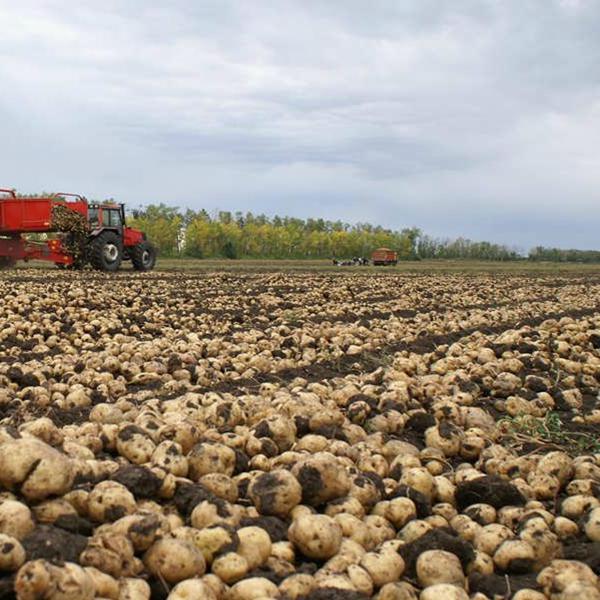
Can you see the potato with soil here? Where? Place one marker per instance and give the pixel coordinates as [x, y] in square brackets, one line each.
[192, 589]
[110, 501]
[112, 554]
[134, 444]
[316, 536]
[443, 591]
[174, 560]
[12, 554]
[275, 493]
[438, 566]
[208, 458]
[41, 580]
[383, 567]
[254, 545]
[35, 468]
[562, 573]
[322, 477]
[254, 588]
[15, 519]
[230, 567]
[312, 473]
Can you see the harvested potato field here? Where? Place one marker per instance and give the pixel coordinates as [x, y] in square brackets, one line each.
[245, 436]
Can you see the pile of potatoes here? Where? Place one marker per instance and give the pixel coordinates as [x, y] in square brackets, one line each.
[151, 447]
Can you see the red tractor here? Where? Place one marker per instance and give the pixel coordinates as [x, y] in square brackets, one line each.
[76, 232]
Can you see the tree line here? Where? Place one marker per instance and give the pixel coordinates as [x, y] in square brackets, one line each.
[224, 234]
[539, 253]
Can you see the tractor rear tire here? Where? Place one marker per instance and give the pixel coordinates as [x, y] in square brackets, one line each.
[143, 256]
[106, 252]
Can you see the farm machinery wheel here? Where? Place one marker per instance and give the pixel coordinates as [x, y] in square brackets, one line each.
[143, 256]
[106, 252]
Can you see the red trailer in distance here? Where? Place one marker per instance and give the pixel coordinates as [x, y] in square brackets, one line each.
[384, 256]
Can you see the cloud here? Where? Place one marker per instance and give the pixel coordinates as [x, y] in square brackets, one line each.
[475, 117]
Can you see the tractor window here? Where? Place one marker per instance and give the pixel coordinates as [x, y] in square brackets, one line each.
[115, 218]
[93, 216]
[111, 217]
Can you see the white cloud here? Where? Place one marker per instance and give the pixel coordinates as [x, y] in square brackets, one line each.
[471, 117]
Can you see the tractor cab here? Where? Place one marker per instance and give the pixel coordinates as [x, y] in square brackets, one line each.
[115, 241]
[111, 216]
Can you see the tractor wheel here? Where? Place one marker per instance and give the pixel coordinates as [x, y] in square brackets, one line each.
[7, 262]
[106, 252]
[143, 256]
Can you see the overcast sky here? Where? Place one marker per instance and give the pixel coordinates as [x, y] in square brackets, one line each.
[478, 118]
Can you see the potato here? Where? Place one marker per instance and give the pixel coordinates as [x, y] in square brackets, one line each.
[412, 531]
[360, 579]
[592, 525]
[266, 431]
[275, 493]
[110, 501]
[565, 528]
[280, 429]
[133, 589]
[192, 589]
[254, 545]
[397, 591]
[209, 513]
[296, 586]
[134, 444]
[214, 584]
[169, 456]
[322, 478]
[283, 551]
[112, 554]
[37, 469]
[439, 566]
[41, 579]
[580, 589]
[514, 556]
[489, 538]
[254, 588]
[384, 567]
[221, 485]
[210, 458]
[529, 594]
[49, 511]
[174, 560]
[354, 529]
[400, 511]
[317, 536]
[209, 540]
[104, 585]
[443, 591]
[12, 554]
[419, 479]
[15, 519]
[230, 567]
[562, 573]
[556, 464]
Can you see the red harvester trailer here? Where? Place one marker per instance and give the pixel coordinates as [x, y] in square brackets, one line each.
[384, 256]
[81, 232]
